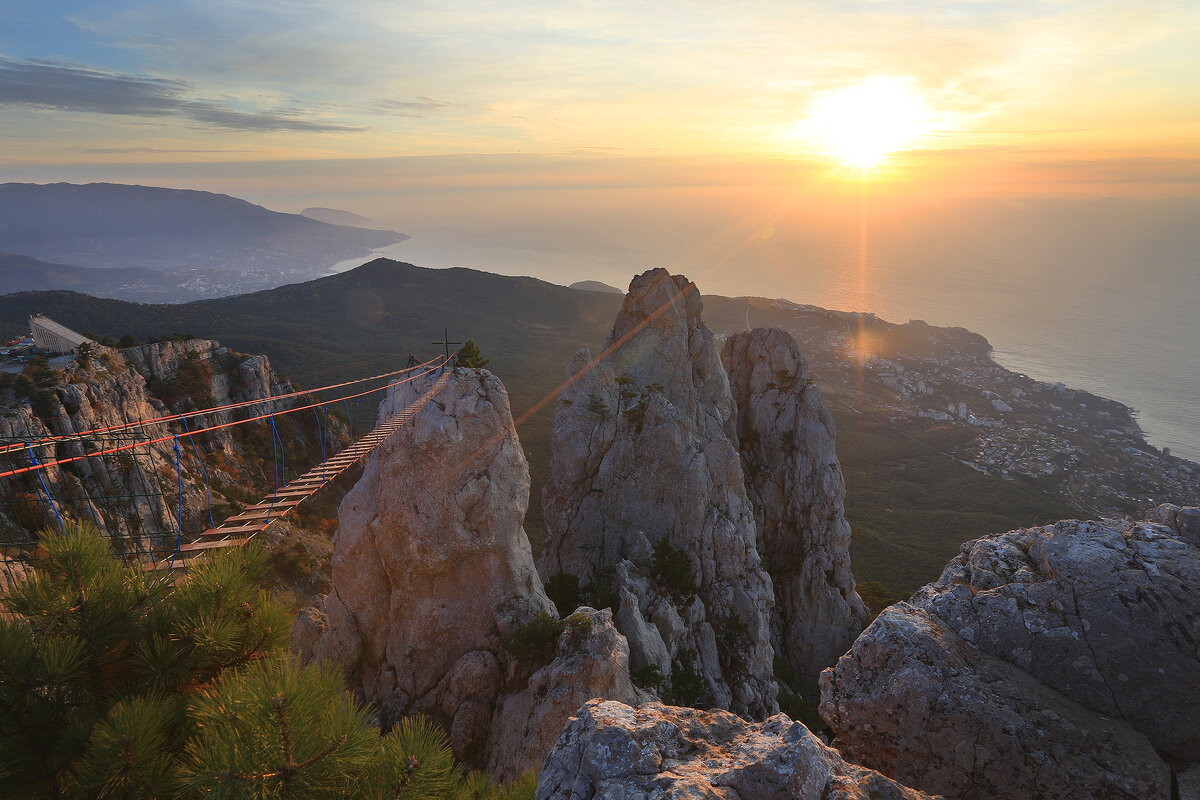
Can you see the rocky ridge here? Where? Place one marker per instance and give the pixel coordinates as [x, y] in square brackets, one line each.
[786, 438]
[611, 751]
[647, 502]
[436, 607]
[1048, 662]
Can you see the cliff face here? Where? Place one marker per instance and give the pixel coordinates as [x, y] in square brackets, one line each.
[133, 495]
[1049, 662]
[786, 438]
[433, 582]
[647, 505]
[609, 750]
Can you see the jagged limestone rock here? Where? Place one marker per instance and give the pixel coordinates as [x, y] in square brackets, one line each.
[786, 437]
[610, 751]
[133, 494]
[432, 571]
[1076, 640]
[1184, 521]
[646, 492]
[591, 659]
[1188, 782]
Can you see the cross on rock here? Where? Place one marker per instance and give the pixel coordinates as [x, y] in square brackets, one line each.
[446, 341]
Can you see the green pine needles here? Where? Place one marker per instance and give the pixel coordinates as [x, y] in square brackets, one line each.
[115, 685]
[469, 356]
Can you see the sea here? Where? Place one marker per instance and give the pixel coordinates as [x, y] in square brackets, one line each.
[1102, 294]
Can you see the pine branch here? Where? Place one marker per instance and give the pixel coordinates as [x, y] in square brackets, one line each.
[413, 765]
[245, 657]
[286, 772]
[281, 712]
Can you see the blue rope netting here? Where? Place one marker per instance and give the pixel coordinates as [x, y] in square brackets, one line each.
[34, 462]
[277, 448]
[320, 429]
[179, 482]
[203, 468]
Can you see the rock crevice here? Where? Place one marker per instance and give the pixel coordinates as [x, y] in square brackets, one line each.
[795, 483]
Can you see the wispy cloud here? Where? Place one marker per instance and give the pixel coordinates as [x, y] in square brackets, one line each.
[126, 150]
[420, 107]
[75, 87]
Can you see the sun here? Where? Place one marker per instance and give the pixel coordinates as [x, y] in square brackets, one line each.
[864, 123]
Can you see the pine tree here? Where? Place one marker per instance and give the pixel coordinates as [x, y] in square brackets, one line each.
[113, 684]
[469, 356]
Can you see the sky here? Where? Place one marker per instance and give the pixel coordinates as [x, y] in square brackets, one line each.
[1037, 97]
[1028, 169]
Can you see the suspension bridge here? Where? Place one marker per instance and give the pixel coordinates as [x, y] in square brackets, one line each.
[27, 461]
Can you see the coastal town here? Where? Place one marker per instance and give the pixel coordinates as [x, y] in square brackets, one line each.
[1084, 449]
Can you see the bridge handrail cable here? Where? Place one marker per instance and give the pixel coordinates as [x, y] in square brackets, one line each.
[442, 361]
[199, 412]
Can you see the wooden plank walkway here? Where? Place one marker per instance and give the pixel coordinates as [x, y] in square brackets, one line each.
[240, 528]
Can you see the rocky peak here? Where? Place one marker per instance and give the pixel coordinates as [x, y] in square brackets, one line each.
[646, 504]
[433, 581]
[659, 338]
[795, 483]
[1065, 655]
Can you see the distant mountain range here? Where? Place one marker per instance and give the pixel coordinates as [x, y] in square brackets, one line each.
[210, 244]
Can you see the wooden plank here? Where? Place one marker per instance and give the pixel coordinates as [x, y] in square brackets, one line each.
[192, 547]
[255, 515]
[154, 566]
[231, 530]
[268, 505]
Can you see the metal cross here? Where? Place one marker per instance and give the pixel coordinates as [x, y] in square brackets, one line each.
[446, 341]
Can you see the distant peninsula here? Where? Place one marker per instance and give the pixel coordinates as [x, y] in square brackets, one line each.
[226, 245]
[335, 216]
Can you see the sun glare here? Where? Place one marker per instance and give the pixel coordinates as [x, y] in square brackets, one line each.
[864, 123]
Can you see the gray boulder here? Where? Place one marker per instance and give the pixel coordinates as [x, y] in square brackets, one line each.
[610, 751]
[914, 701]
[131, 495]
[1094, 622]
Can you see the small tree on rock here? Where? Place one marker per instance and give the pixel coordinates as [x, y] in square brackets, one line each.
[469, 356]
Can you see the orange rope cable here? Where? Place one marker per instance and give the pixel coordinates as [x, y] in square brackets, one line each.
[189, 414]
[171, 437]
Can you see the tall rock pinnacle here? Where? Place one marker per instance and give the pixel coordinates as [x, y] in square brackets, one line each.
[646, 503]
[786, 437]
